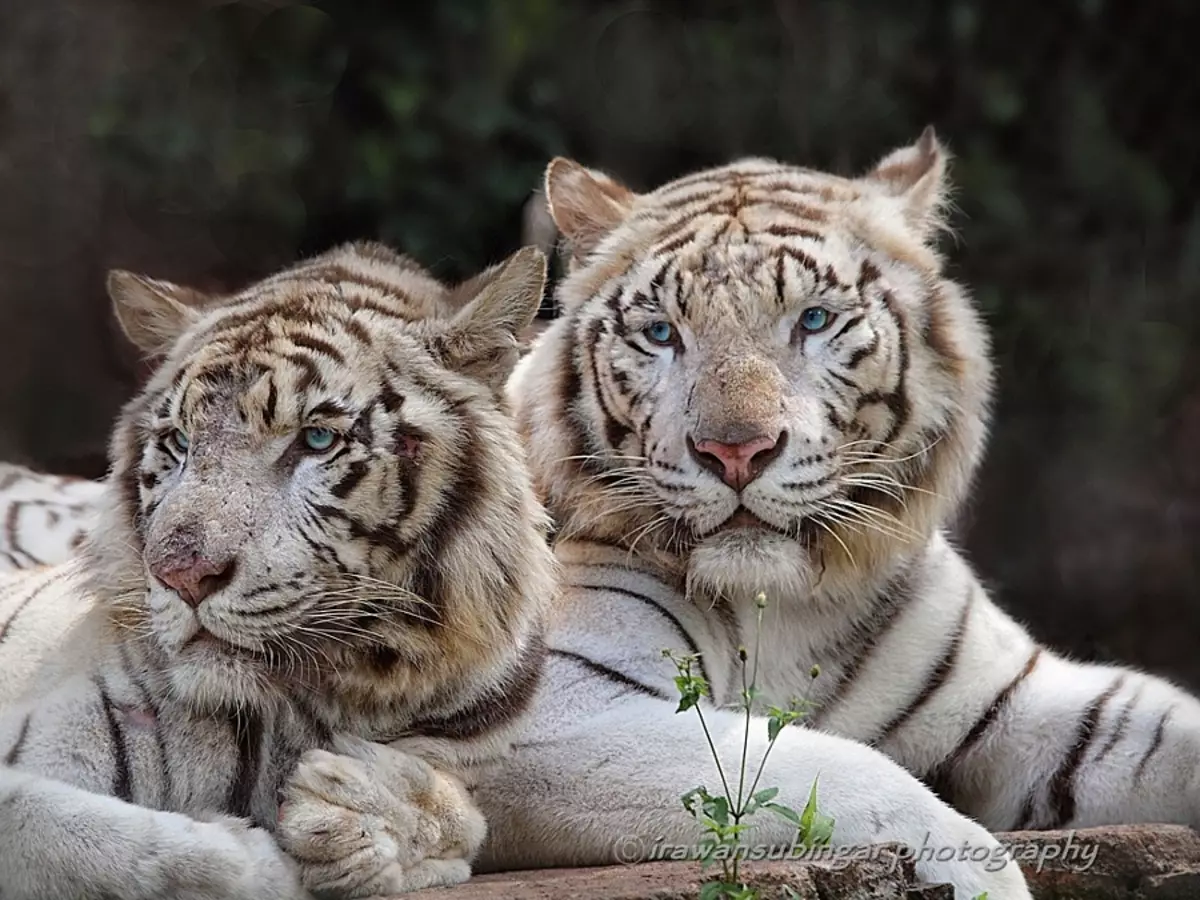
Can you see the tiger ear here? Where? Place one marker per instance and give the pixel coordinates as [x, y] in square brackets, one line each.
[916, 176]
[585, 205]
[458, 296]
[153, 313]
[482, 338]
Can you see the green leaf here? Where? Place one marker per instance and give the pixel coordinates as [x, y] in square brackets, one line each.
[822, 832]
[774, 726]
[764, 795]
[695, 799]
[785, 812]
[816, 829]
[713, 890]
[717, 808]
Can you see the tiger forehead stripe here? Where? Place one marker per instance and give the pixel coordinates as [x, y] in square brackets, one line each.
[751, 187]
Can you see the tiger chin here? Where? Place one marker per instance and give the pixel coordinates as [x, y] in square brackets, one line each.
[311, 609]
[743, 562]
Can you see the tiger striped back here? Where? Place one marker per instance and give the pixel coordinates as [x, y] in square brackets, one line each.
[43, 518]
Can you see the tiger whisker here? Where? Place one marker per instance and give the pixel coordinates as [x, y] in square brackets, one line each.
[886, 525]
[833, 534]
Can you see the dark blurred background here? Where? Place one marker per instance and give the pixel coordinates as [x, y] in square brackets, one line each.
[211, 143]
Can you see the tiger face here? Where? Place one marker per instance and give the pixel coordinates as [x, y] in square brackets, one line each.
[761, 370]
[318, 480]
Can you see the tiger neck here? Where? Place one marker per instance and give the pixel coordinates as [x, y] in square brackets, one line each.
[835, 592]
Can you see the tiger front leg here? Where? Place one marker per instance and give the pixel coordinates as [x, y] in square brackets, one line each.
[373, 821]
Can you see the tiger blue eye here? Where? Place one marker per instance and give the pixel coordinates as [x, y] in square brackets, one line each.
[660, 332]
[181, 440]
[814, 318]
[318, 439]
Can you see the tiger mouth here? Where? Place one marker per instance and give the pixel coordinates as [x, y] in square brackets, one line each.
[743, 518]
[204, 641]
[203, 638]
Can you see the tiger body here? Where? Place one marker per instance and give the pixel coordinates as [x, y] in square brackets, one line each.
[315, 535]
[43, 517]
[841, 525]
[761, 381]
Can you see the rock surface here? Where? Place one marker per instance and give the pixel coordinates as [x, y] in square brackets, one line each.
[1125, 862]
[885, 877]
[1133, 862]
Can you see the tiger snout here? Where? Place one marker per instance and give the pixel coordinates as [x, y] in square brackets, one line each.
[194, 575]
[192, 562]
[737, 464]
[739, 429]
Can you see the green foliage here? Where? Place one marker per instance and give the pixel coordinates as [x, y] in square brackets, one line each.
[723, 817]
[426, 125]
[429, 125]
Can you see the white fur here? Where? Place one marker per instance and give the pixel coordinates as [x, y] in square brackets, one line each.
[364, 821]
[42, 517]
[602, 769]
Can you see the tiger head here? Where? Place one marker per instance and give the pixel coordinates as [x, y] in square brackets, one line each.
[319, 486]
[760, 374]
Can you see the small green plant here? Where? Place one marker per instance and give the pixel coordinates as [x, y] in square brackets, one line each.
[723, 816]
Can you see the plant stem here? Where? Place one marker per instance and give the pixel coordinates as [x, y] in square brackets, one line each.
[713, 748]
[757, 640]
[762, 766]
[754, 683]
[737, 809]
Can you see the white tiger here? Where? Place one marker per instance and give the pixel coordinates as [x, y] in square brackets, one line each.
[762, 381]
[317, 532]
[600, 771]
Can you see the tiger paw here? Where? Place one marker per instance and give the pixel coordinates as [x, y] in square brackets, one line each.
[376, 823]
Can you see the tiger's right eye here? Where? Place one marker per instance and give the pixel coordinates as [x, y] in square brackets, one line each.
[180, 441]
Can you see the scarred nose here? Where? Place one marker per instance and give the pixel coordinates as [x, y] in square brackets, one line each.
[194, 577]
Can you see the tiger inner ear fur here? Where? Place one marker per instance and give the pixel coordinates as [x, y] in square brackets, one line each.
[153, 313]
[585, 205]
[481, 340]
[916, 175]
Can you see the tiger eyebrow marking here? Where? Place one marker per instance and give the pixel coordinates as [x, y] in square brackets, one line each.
[331, 409]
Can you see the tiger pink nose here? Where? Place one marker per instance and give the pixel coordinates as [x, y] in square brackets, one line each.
[194, 578]
[737, 464]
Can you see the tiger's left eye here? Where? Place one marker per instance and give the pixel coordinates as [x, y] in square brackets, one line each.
[659, 332]
[319, 439]
[815, 318]
[180, 441]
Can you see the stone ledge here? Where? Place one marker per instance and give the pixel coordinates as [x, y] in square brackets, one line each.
[1128, 862]
[886, 877]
